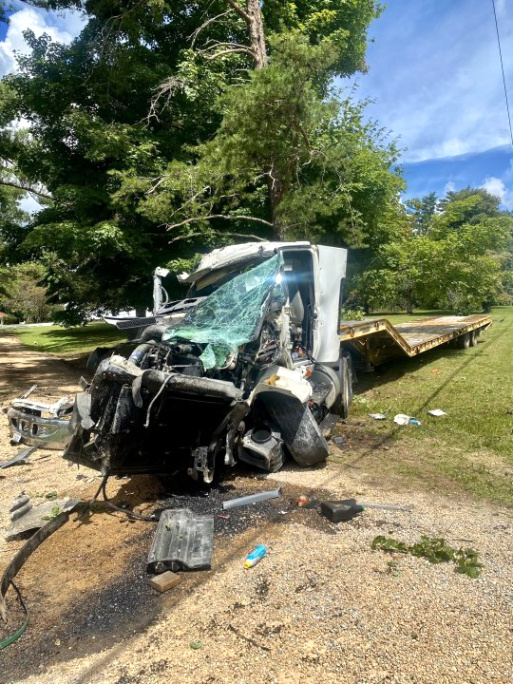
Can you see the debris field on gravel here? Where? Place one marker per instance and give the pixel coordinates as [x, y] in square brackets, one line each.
[321, 606]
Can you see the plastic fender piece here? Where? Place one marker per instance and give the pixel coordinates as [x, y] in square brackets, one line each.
[183, 541]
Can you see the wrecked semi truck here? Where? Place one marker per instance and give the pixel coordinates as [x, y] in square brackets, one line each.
[245, 368]
[250, 366]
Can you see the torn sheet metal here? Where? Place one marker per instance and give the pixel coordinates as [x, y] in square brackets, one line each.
[39, 424]
[183, 541]
[26, 517]
[21, 458]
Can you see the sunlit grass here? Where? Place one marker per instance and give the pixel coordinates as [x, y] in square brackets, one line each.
[68, 341]
[470, 448]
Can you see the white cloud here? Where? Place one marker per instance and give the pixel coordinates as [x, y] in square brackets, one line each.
[495, 186]
[435, 73]
[450, 186]
[62, 27]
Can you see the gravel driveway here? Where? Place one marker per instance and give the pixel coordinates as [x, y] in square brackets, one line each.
[321, 607]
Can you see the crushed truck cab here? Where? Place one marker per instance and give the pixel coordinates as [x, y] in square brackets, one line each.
[245, 368]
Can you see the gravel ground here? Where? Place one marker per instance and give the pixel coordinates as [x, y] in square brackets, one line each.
[321, 607]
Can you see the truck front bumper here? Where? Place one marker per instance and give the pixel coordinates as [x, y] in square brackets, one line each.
[47, 426]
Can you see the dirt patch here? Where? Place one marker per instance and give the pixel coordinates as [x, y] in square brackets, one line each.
[322, 606]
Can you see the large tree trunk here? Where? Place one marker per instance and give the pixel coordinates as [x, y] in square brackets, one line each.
[276, 191]
[256, 34]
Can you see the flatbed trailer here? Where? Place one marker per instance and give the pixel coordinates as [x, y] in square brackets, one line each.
[378, 341]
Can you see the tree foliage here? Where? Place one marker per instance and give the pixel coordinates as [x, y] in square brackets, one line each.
[22, 294]
[171, 126]
[460, 258]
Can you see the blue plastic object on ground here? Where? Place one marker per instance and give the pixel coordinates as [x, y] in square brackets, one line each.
[255, 556]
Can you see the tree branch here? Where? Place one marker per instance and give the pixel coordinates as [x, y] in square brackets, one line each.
[202, 234]
[223, 53]
[196, 33]
[167, 87]
[237, 8]
[217, 44]
[193, 219]
[32, 191]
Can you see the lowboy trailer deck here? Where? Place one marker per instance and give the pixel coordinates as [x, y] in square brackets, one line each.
[378, 341]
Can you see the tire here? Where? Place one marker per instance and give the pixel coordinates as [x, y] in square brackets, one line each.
[298, 428]
[463, 342]
[343, 401]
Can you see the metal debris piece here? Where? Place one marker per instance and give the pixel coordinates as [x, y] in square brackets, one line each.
[183, 541]
[378, 416]
[252, 498]
[28, 392]
[22, 458]
[39, 424]
[26, 517]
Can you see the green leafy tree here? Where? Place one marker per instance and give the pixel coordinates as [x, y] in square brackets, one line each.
[23, 295]
[170, 125]
[461, 262]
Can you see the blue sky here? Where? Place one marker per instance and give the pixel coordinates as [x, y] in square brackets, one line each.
[434, 75]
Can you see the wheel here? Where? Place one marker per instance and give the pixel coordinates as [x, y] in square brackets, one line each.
[463, 342]
[298, 428]
[343, 401]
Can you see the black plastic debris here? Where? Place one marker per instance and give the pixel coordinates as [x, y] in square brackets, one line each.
[340, 511]
[328, 423]
[183, 541]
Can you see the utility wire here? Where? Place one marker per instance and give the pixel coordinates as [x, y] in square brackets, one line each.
[502, 68]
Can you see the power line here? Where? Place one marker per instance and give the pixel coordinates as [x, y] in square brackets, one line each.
[502, 69]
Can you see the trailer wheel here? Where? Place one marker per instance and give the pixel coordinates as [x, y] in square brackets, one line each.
[463, 342]
[343, 401]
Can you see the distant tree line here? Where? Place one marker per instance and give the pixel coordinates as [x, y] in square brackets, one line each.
[454, 253]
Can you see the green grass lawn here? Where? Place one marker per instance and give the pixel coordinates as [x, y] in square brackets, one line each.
[68, 341]
[471, 448]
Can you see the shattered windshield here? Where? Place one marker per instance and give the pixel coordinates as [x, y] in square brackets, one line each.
[227, 318]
